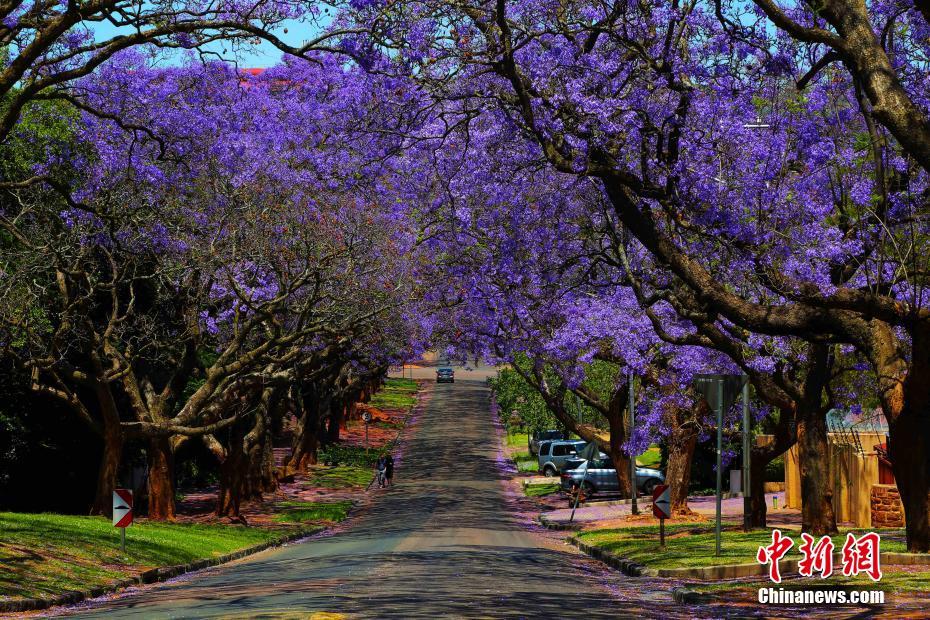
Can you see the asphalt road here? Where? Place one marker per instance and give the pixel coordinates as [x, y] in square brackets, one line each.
[443, 542]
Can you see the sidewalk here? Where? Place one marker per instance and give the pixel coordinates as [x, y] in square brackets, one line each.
[595, 515]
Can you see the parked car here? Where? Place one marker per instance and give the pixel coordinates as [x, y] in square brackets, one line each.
[537, 437]
[554, 454]
[445, 375]
[602, 477]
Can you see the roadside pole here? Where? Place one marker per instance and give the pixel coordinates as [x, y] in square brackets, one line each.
[634, 507]
[366, 418]
[584, 477]
[122, 513]
[719, 464]
[747, 503]
[661, 509]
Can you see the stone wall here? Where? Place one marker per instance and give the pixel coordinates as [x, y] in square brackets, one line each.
[887, 510]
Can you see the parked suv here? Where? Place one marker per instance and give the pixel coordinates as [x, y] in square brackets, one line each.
[554, 454]
[445, 375]
[602, 477]
[537, 437]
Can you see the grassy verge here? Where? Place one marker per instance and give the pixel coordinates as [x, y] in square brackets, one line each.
[517, 440]
[44, 555]
[650, 458]
[539, 490]
[525, 463]
[396, 394]
[313, 512]
[688, 546]
[338, 476]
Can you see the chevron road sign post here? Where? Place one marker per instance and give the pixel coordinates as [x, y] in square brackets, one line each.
[122, 513]
[661, 509]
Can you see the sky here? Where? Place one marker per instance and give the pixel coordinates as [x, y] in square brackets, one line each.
[262, 55]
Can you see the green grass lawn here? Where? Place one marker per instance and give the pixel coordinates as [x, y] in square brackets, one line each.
[517, 440]
[339, 476]
[539, 490]
[46, 554]
[319, 512]
[650, 458]
[525, 463]
[395, 394]
[695, 546]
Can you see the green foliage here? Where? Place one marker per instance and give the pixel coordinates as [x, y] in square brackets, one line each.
[519, 405]
[775, 470]
[302, 512]
[47, 554]
[650, 458]
[357, 456]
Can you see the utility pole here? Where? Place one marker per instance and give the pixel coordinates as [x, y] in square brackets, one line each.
[719, 463]
[634, 507]
[747, 502]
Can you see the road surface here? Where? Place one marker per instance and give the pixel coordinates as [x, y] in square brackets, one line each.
[444, 542]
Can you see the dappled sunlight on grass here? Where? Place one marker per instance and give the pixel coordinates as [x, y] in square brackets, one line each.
[303, 512]
[47, 554]
[395, 394]
[338, 476]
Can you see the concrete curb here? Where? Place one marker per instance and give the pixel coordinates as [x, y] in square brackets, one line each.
[684, 596]
[561, 527]
[627, 567]
[154, 575]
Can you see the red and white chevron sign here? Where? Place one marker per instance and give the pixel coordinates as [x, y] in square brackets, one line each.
[122, 507]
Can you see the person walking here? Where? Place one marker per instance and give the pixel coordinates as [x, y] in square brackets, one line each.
[381, 467]
[389, 468]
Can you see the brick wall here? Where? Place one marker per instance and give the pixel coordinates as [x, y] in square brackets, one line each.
[887, 510]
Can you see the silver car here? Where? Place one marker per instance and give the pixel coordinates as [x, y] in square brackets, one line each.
[602, 477]
[554, 454]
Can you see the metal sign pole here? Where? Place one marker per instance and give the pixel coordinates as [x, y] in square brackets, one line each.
[719, 460]
[634, 508]
[662, 534]
[584, 477]
[747, 502]
[122, 537]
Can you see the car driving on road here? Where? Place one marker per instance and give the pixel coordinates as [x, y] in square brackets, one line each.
[445, 375]
[554, 454]
[601, 477]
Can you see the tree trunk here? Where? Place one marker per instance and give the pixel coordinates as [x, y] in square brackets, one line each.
[259, 448]
[905, 392]
[908, 453]
[681, 445]
[817, 515]
[161, 479]
[109, 468]
[305, 440]
[758, 461]
[334, 420]
[232, 474]
[620, 459]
